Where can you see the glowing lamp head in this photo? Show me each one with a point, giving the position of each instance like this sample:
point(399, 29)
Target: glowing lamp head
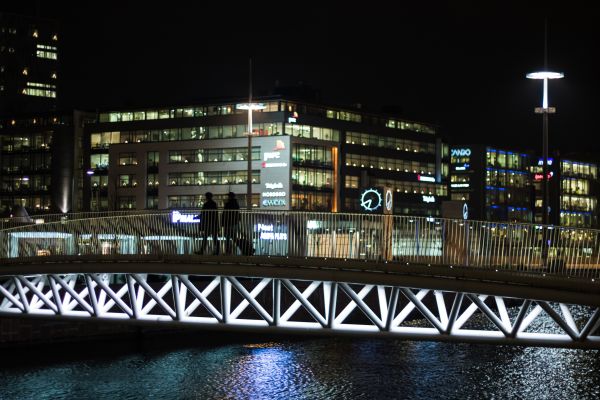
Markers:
point(89, 172)
point(250, 106)
point(545, 75)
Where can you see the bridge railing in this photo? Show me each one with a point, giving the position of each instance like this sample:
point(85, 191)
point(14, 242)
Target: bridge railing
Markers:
point(404, 239)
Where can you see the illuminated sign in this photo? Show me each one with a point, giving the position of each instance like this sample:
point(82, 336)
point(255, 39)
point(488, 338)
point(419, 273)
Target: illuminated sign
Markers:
point(423, 178)
point(273, 202)
point(460, 152)
point(459, 185)
point(463, 167)
point(428, 199)
point(465, 211)
point(274, 164)
point(539, 177)
point(275, 175)
point(267, 232)
point(271, 155)
point(389, 201)
point(273, 194)
point(371, 200)
point(293, 118)
point(177, 217)
point(541, 161)
point(279, 145)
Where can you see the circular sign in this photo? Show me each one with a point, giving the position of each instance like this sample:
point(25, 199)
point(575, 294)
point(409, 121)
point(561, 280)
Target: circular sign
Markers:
point(465, 211)
point(370, 200)
point(389, 198)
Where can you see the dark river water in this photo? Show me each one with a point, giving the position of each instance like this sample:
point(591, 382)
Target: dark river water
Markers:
point(306, 368)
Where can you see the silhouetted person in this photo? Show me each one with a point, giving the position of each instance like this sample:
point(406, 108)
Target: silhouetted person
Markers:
point(230, 219)
point(210, 225)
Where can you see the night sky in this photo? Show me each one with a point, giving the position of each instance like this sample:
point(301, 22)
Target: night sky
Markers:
point(462, 67)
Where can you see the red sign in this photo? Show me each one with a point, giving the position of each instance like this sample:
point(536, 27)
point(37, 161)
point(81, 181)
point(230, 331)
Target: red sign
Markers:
point(539, 177)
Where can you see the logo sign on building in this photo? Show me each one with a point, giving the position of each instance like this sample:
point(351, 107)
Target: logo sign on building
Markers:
point(428, 199)
point(275, 172)
point(466, 152)
point(424, 178)
point(371, 200)
point(388, 200)
point(465, 211)
point(540, 177)
point(177, 218)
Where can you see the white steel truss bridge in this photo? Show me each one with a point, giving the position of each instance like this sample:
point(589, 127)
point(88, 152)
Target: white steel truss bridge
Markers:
point(470, 292)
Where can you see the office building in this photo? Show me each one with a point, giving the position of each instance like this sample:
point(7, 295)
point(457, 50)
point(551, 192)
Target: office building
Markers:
point(40, 162)
point(304, 157)
point(495, 183)
point(573, 192)
point(28, 64)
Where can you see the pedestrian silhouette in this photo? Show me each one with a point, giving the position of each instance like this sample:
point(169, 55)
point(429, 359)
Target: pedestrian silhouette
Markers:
point(230, 220)
point(209, 222)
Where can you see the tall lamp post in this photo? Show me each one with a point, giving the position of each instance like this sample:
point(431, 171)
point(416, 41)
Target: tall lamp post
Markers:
point(250, 106)
point(545, 110)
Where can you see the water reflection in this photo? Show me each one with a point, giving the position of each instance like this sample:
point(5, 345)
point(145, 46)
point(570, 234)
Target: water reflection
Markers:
point(316, 369)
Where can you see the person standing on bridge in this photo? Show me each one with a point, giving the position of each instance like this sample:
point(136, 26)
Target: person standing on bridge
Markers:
point(230, 220)
point(209, 222)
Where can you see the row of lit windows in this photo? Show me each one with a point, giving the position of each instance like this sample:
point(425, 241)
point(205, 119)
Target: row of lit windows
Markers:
point(575, 186)
point(25, 183)
point(212, 155)
point(312, 132)
point(576, 219)
point(26, 162)
point(187, 112)
point(30, 203)
point(506, 179)
point(507, 159)
point(366, 139)
point(389, 123)
point(49, 55)
point(39, 92)
point(312, 155)
point(128, 180)
point(391, 164)
point(26, 142)
point(211, 178)
point(571, 168)
point(578, 203)
point(312, 177)
point(104, 139)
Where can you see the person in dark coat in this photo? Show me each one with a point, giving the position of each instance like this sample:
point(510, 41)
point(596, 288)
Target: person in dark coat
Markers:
point(230, 220)
point(209, 222)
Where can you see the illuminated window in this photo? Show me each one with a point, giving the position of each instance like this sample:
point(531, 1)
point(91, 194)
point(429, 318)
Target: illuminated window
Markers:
point(35, 33)
point(25, 71)
point(53, 75)
point(55, 37)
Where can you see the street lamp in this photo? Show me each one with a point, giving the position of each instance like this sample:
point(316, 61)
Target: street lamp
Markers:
point(545, 110)
point(250, 106)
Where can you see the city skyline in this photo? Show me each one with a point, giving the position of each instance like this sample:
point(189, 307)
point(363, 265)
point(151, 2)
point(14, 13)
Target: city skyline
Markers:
point(427, 63)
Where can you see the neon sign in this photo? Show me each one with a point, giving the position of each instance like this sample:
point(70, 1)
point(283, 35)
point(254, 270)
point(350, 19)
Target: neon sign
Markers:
point(428, 199)
point(423, 178)
point(460, 152)
point(539, 177)
point(371, 200)
point(177, 217)
point(459, 185)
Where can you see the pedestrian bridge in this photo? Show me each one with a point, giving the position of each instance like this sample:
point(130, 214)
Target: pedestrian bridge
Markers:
point(323, 273)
